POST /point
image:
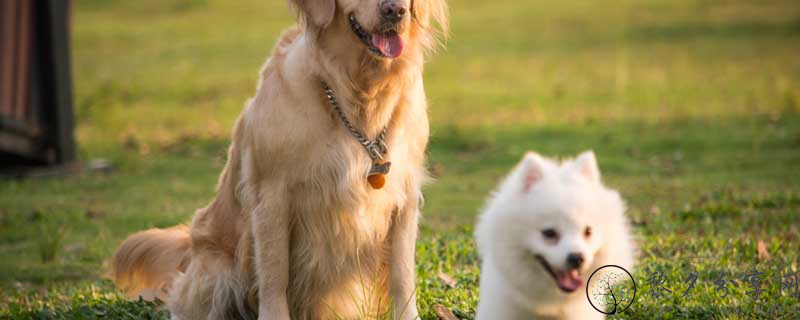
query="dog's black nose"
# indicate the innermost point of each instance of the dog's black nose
(393, 10)
(575, 260)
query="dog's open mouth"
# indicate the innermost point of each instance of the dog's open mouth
(383, 44)
(567, 280)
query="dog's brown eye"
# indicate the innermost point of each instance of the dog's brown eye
(588, 232)
(550, 234)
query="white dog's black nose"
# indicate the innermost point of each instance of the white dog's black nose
(575, 260)
(393, 11)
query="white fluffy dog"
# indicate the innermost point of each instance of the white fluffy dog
(547, 228)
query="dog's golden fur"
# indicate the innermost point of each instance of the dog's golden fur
(294, 230)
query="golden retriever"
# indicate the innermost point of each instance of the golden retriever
(295, 230)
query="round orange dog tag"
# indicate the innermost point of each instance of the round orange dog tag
(377, 174)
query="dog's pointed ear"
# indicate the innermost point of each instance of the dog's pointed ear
(532, 170)
(586, 166)
(318, 13)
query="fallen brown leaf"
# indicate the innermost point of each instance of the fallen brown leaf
(436, 169)
(763, 254)
(131, 142)
(444, 313)
(144, 149)
(447, 279)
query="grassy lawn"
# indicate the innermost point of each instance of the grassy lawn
(693, 109)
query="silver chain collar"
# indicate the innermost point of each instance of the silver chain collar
(375, 149)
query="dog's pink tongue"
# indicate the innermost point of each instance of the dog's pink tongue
(390, 45)
(570, 280)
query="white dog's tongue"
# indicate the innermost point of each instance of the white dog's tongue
(570, 280)
(389, 44)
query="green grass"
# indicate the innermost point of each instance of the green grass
(693, 108)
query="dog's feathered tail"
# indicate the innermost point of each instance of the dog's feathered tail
(147, 262)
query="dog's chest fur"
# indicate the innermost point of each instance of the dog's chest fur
(339, 205)
(341, 224)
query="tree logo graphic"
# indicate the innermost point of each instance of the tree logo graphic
(611, 289)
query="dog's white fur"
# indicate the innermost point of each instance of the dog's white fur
(543, 194)
(295, 231)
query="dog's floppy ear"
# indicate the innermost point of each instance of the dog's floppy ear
(586, 166)
(318, 13)
(532, 170)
